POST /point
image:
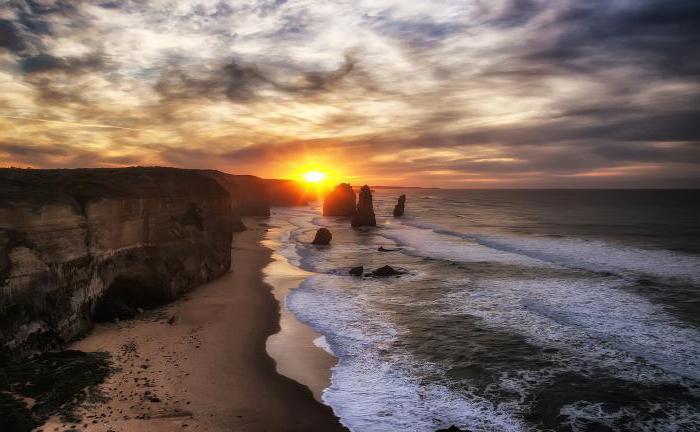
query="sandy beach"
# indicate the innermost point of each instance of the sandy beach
(201, 364)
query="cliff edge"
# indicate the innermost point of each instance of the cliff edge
(82, 245)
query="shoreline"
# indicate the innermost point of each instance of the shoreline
(200, 363)
(293, 347)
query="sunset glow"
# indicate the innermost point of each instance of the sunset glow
(314, 176)
(469, 94)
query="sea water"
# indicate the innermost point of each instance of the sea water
(520, 310)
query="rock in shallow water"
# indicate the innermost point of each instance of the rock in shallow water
(386, 271)
(323, 237)
(383, 249)
(357, 271)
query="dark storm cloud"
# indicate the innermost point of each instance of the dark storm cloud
(664, 35)
(10, 36)
(517, 12)
(46, 63)
(240, 82)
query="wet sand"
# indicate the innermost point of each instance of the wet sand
(293, 346)
(200, 364)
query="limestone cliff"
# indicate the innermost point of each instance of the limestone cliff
(253, 196)
(88, 244)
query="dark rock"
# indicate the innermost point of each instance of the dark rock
(400, 206)
(364, 214)
(452, 429)
(237, 224)
(383, 249)
(323, 237)
(386, 271)
(340, 201)
(357, 271)
(59, 382)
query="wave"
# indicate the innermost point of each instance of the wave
(376, 387)
(590, 255)
(578, 323)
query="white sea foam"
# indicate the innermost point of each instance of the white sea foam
(593, 255)
(593, 322)
(601, 323)
(374, 386)
(429, 243)
(322, 343)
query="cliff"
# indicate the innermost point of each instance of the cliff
(288, 193)
(253, 196)
(96, 244)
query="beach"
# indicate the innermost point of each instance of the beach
(200, 363)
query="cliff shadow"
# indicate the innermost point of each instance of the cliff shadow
(126, 295)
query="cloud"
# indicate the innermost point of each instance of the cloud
(46, 63)
(10, 36)
(240, 82)
(507, 92)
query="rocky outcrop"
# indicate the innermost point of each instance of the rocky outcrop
(81, 245)
(340, 201)
(323, 237)
(400, 206)
(364, 214)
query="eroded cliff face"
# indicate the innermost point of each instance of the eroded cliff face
(82, 245)
(253, 196)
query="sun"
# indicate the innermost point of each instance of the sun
(314, 176)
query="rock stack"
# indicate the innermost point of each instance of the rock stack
(364, 213)
(400, 206)
(340, 201)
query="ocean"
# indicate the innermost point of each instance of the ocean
(521, 310)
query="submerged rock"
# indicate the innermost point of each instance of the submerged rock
(323, 237)
(386, 271)
(452, 428)
(364, 214)
(340, 201)
(357, 271)
(400, 206)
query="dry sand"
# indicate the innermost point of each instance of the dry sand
(208, 369)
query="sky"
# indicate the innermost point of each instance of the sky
(449, 93)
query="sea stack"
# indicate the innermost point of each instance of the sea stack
(400, 206)
(340, 201)
(364, 214)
